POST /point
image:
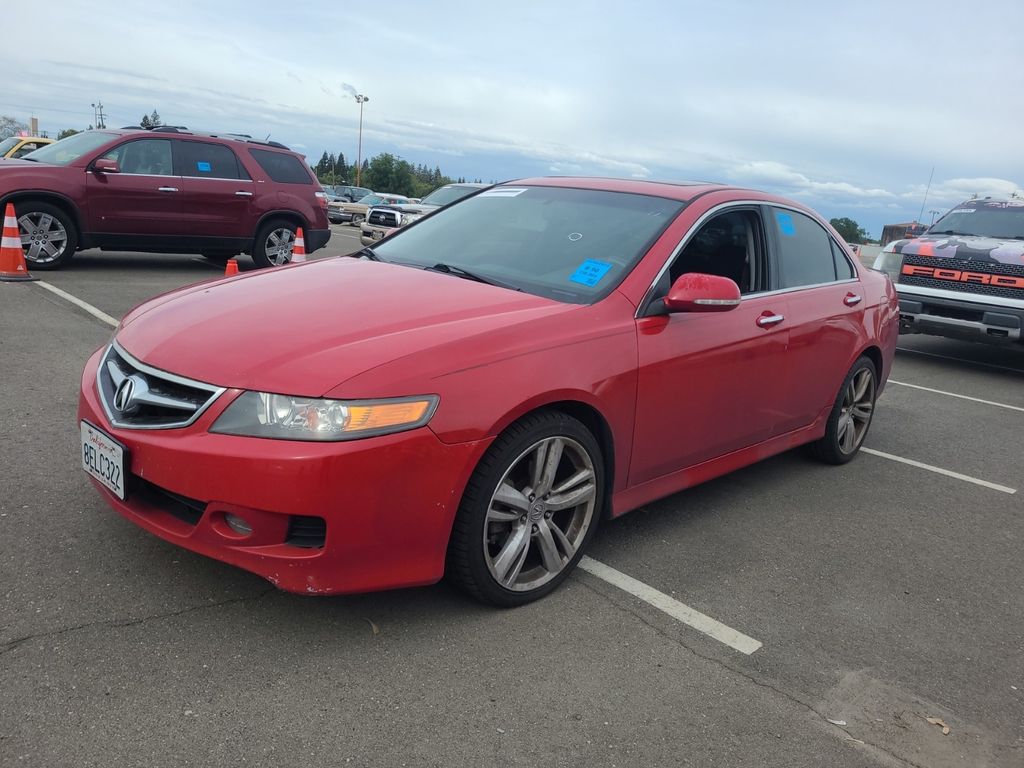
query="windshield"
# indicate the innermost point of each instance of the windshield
(572, 245)
(66, 151)
(976, 218)
(8, 144)
(446, 195)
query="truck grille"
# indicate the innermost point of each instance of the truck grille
(383, 218)
(964, 265)
(136, 396)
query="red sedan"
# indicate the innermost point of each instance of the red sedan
(476, 394)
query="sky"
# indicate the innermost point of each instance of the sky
(847, 107)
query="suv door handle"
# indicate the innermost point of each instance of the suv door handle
(768, 319)
(851, 300)
(167, 189)
(240, 193)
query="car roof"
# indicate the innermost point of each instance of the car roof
(674, 190)
(181, 130)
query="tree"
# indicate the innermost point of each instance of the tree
(67, 132)
(144, 122)
(151, 120)
(849, 229)
(10, 126)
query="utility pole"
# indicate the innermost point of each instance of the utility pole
(97, 115)
(360, 99)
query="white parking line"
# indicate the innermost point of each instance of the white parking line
(962, 397)
(940, 471)
(97, 313)
(961, 360)
(677, 610)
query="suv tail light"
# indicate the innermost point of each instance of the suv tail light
(322, 199)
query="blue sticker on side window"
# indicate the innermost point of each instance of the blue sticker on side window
(202, 165)
(786, 225)
(590, 272)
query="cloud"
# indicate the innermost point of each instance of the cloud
(780, 176)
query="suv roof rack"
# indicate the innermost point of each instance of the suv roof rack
(184, 129)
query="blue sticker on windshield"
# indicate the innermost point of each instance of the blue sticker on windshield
(202, 165)
(786, 225)
(590, 272)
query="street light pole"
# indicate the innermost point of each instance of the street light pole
(360, 99)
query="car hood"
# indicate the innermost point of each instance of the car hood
(408, 207)
(305, 329)
(962, 247)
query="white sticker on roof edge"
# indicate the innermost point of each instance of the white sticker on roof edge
(502, 192)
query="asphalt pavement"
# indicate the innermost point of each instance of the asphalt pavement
(883, 593)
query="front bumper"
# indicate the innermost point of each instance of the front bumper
(337, 217)
(959, 318)
(387, 503)
(370, 234)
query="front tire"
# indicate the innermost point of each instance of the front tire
(529, 511)
(48, 235)
(274, 243)
(851, 415)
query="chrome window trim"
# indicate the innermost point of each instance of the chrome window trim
(215, 391)
(714, 211)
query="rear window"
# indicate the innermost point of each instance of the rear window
(282, 168)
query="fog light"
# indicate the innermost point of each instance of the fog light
(237, 524)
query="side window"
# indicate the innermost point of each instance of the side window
(729, 245)
(282, 167)
(24, 149)
(805, 250)
(844, 269)
(207, 161)
(147, 157)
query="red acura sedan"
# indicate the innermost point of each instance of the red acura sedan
(472, 397)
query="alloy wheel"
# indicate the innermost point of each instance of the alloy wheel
(279, 246)
(539, 514)
(856, 411)
(43, 238)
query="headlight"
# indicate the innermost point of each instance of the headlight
(408, 218)
(890, 263)
(261, 414)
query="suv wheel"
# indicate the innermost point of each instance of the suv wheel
(48, 236)
(274, 243)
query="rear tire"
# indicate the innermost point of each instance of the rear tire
(48, 235)
(520, 530)
(274, 242)
(851, 415)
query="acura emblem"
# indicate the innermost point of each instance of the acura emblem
(125, 396)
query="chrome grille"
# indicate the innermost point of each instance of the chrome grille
(964, 265)
(137, 396)
(383, 218)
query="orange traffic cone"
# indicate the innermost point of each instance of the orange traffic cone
(299, 248)
(231, 268)
(12, 258)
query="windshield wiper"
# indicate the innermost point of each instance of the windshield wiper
(949, 232)
(367, 253)
(30, 159)
(451, 269)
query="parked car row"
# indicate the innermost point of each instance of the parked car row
(355, 212)
(383, 219)
(164, 190)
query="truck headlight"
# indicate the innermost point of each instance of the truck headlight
(890, 263)
(263, 414)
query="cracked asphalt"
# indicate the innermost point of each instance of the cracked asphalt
(883, 594)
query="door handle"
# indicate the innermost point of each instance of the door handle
(768, 319)
(167, 189)
(851, 300)
(243, 194)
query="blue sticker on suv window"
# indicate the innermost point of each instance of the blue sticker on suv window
(202, 165)
(590, 272)
(786, 225)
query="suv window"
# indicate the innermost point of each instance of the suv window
(805, 250)
(144, 157)
(208, 161)
(282, 168)
(729, 245)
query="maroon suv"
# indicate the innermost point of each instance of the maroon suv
(164, 190)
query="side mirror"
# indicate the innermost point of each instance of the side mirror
(697, 292)
(106, 165)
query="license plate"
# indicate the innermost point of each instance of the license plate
(103, 458)
(377, 234)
